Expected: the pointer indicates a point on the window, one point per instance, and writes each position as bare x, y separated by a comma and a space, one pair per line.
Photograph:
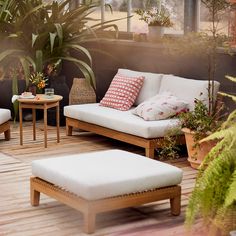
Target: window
205, 21
125, 10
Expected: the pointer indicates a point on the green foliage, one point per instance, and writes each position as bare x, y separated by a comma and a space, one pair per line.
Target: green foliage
214, 195
170, 149
155, 17
18, 20
199, 120
38, 34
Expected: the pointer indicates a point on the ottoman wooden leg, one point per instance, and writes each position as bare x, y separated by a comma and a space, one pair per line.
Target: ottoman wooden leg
89, 222
175, 205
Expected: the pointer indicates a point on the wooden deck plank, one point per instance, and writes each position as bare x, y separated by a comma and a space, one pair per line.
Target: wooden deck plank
18, 218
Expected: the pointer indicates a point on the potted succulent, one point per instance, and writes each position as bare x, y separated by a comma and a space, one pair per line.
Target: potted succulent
157, 19
196, 125
214, 194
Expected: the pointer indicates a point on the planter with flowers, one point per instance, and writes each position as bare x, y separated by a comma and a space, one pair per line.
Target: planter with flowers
157, 19
198, 124
37, 83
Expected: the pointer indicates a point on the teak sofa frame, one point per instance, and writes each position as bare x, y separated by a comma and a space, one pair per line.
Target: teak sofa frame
149, 144
5, 127
90, 208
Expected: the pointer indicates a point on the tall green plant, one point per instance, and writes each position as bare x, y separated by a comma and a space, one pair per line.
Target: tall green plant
64, 31
17, 21
216, 8
38, 34
214, 195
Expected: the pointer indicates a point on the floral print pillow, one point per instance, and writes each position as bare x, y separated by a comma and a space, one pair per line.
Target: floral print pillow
160, 107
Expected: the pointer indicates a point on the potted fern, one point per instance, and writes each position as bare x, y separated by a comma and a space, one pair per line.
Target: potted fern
214, 195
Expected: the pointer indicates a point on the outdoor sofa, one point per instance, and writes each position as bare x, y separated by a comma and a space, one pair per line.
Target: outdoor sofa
129, 128
5, 116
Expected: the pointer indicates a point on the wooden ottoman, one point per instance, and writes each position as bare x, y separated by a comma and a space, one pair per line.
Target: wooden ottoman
104, 181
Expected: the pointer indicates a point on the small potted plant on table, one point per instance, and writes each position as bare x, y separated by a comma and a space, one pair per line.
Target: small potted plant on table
37, 83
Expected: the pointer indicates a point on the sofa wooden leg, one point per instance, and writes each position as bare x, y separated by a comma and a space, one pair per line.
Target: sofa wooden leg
149, 152
175, 205
7, 134
89, 222
69, 130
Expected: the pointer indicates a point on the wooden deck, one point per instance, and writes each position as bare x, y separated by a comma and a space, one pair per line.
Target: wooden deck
19, 218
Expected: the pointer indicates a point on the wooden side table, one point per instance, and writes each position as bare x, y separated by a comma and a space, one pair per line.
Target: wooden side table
43, 103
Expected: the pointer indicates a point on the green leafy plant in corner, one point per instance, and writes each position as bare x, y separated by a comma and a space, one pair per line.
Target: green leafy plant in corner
214, 194
170, 149
200, 120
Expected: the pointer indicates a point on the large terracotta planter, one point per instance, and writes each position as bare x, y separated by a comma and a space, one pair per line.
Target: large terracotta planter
196, 154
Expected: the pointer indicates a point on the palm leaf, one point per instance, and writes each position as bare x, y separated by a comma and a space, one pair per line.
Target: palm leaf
34, 38
9, 52
59, 33
39, 61
15, 92
233, 79
35, 9
80, 49
52, 40
228, 95
25, 64
85, 69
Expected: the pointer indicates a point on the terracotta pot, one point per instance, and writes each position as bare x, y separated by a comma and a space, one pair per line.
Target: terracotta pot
196, 154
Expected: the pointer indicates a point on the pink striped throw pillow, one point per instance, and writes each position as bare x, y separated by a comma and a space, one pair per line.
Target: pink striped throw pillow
122, 92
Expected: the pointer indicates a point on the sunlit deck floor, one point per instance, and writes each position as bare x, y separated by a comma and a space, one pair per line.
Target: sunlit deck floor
17, 217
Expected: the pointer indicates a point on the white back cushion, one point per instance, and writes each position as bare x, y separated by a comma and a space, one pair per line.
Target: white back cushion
187, 89
150, 86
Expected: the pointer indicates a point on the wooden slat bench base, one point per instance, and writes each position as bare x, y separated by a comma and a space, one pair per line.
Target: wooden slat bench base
148, 144
90, 208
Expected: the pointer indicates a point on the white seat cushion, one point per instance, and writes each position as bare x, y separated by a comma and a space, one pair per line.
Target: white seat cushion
5, 115
123, 121
151, 84
104, 174
187, 89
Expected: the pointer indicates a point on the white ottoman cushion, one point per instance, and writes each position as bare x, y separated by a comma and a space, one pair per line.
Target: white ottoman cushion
104, 174
5, 115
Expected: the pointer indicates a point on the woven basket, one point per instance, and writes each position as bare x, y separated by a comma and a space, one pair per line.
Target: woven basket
81, 92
